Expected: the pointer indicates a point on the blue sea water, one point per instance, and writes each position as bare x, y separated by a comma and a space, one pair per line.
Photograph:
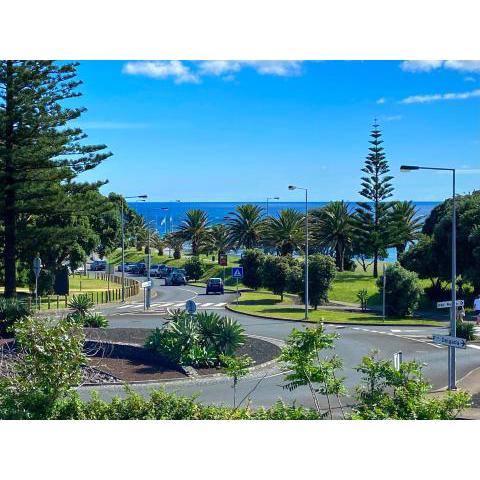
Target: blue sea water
167, 216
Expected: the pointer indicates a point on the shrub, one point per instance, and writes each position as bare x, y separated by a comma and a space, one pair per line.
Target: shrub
48, 364
252, 261
81, 304
11, 310
95, 320
194, 268
466, 330
387, 393
403, 290
197, 341
362, 296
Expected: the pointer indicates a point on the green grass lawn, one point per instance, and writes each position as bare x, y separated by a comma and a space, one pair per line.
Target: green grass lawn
81, 283
266, 304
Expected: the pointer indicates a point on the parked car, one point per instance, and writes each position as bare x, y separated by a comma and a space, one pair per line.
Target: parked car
98, 265
164, 272
175, 278
138, 268
158, 271
128, 266
215, 285
181, 271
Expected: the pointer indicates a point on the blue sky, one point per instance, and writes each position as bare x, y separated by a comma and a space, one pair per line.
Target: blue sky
239, 131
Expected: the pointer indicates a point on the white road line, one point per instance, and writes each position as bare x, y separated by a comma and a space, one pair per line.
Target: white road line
204, 305
477, 347
222, 304
140, 305
178, 305
128, 305
163, 304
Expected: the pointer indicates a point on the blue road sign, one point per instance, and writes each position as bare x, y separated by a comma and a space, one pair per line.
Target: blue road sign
237, 272
190, 307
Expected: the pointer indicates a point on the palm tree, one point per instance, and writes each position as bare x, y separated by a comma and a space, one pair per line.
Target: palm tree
194, 229
219, 240
174, 241
286, 231
156, 241
406, 225
245, 226
332, 228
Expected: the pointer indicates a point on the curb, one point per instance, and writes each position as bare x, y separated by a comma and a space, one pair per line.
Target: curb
380, 324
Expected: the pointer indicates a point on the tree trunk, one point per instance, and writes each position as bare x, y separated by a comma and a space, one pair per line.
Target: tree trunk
375, 264
9, 192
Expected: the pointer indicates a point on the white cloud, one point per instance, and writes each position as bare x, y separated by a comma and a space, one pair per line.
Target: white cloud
175, 69
441, 96
381, 100
420, 65
281, 68
429, 65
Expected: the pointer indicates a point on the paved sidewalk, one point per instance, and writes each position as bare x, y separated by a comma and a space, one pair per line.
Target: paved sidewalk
471, 383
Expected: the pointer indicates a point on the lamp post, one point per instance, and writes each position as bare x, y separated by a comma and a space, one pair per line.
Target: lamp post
271, 198
294, 187
142, 197
149, 279
452, 374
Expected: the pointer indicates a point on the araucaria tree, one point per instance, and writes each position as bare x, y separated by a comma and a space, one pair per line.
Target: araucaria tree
373, 216
40, 156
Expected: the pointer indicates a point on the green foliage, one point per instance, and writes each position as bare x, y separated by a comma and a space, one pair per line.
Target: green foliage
245, 226
252, 261
387, 393
403, 290
81, 304
95, 320
194, 229
11, 310
197, 340
332, 229
161, 405
286, 232
50, 356
301, 358
466, 330
276, 273
362, 296
194, 268
372, 218
405, 225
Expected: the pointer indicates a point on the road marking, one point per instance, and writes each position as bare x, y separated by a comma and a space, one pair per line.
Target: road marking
474, 346
163, 304
204, 305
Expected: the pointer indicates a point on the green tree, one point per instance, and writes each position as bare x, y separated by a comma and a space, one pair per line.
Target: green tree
276, 273
332, 228
194, 229
252, 262
321, 273
373, 217
302, 360
245, 226
194, 268
402, 290
219, 240
406, 225
175, 242
40, 155
236, 368
285, 232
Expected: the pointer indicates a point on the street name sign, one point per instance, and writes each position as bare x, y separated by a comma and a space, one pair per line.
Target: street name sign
190, 307
458, 303
449, 341
237, 272
147, 284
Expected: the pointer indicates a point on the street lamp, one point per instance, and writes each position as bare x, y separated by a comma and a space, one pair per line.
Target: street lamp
452, 374
149, 279
294, 187
271, 198
143, 198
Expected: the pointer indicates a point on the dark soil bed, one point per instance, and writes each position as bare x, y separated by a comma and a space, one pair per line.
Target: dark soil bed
133, 370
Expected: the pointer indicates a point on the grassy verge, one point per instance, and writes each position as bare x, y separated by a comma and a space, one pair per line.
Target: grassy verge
268, 305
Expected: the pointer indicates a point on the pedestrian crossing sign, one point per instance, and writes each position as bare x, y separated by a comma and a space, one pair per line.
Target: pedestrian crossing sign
237, 272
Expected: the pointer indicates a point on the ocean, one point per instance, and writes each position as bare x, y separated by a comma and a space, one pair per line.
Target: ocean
167, 216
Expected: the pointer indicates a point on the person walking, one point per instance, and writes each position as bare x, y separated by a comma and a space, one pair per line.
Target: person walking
476, 308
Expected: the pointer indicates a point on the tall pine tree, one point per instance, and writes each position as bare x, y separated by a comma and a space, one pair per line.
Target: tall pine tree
40, 156
373, 216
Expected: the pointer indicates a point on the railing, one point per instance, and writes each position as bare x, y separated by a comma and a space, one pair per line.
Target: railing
132, 287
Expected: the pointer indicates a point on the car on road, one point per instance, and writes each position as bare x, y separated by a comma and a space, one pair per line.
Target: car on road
175, 278
138, 268
98, 266
215, 285
180, 271
158, 271
128, 267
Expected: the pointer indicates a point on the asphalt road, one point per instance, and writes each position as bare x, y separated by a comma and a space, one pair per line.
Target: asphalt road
353, 343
